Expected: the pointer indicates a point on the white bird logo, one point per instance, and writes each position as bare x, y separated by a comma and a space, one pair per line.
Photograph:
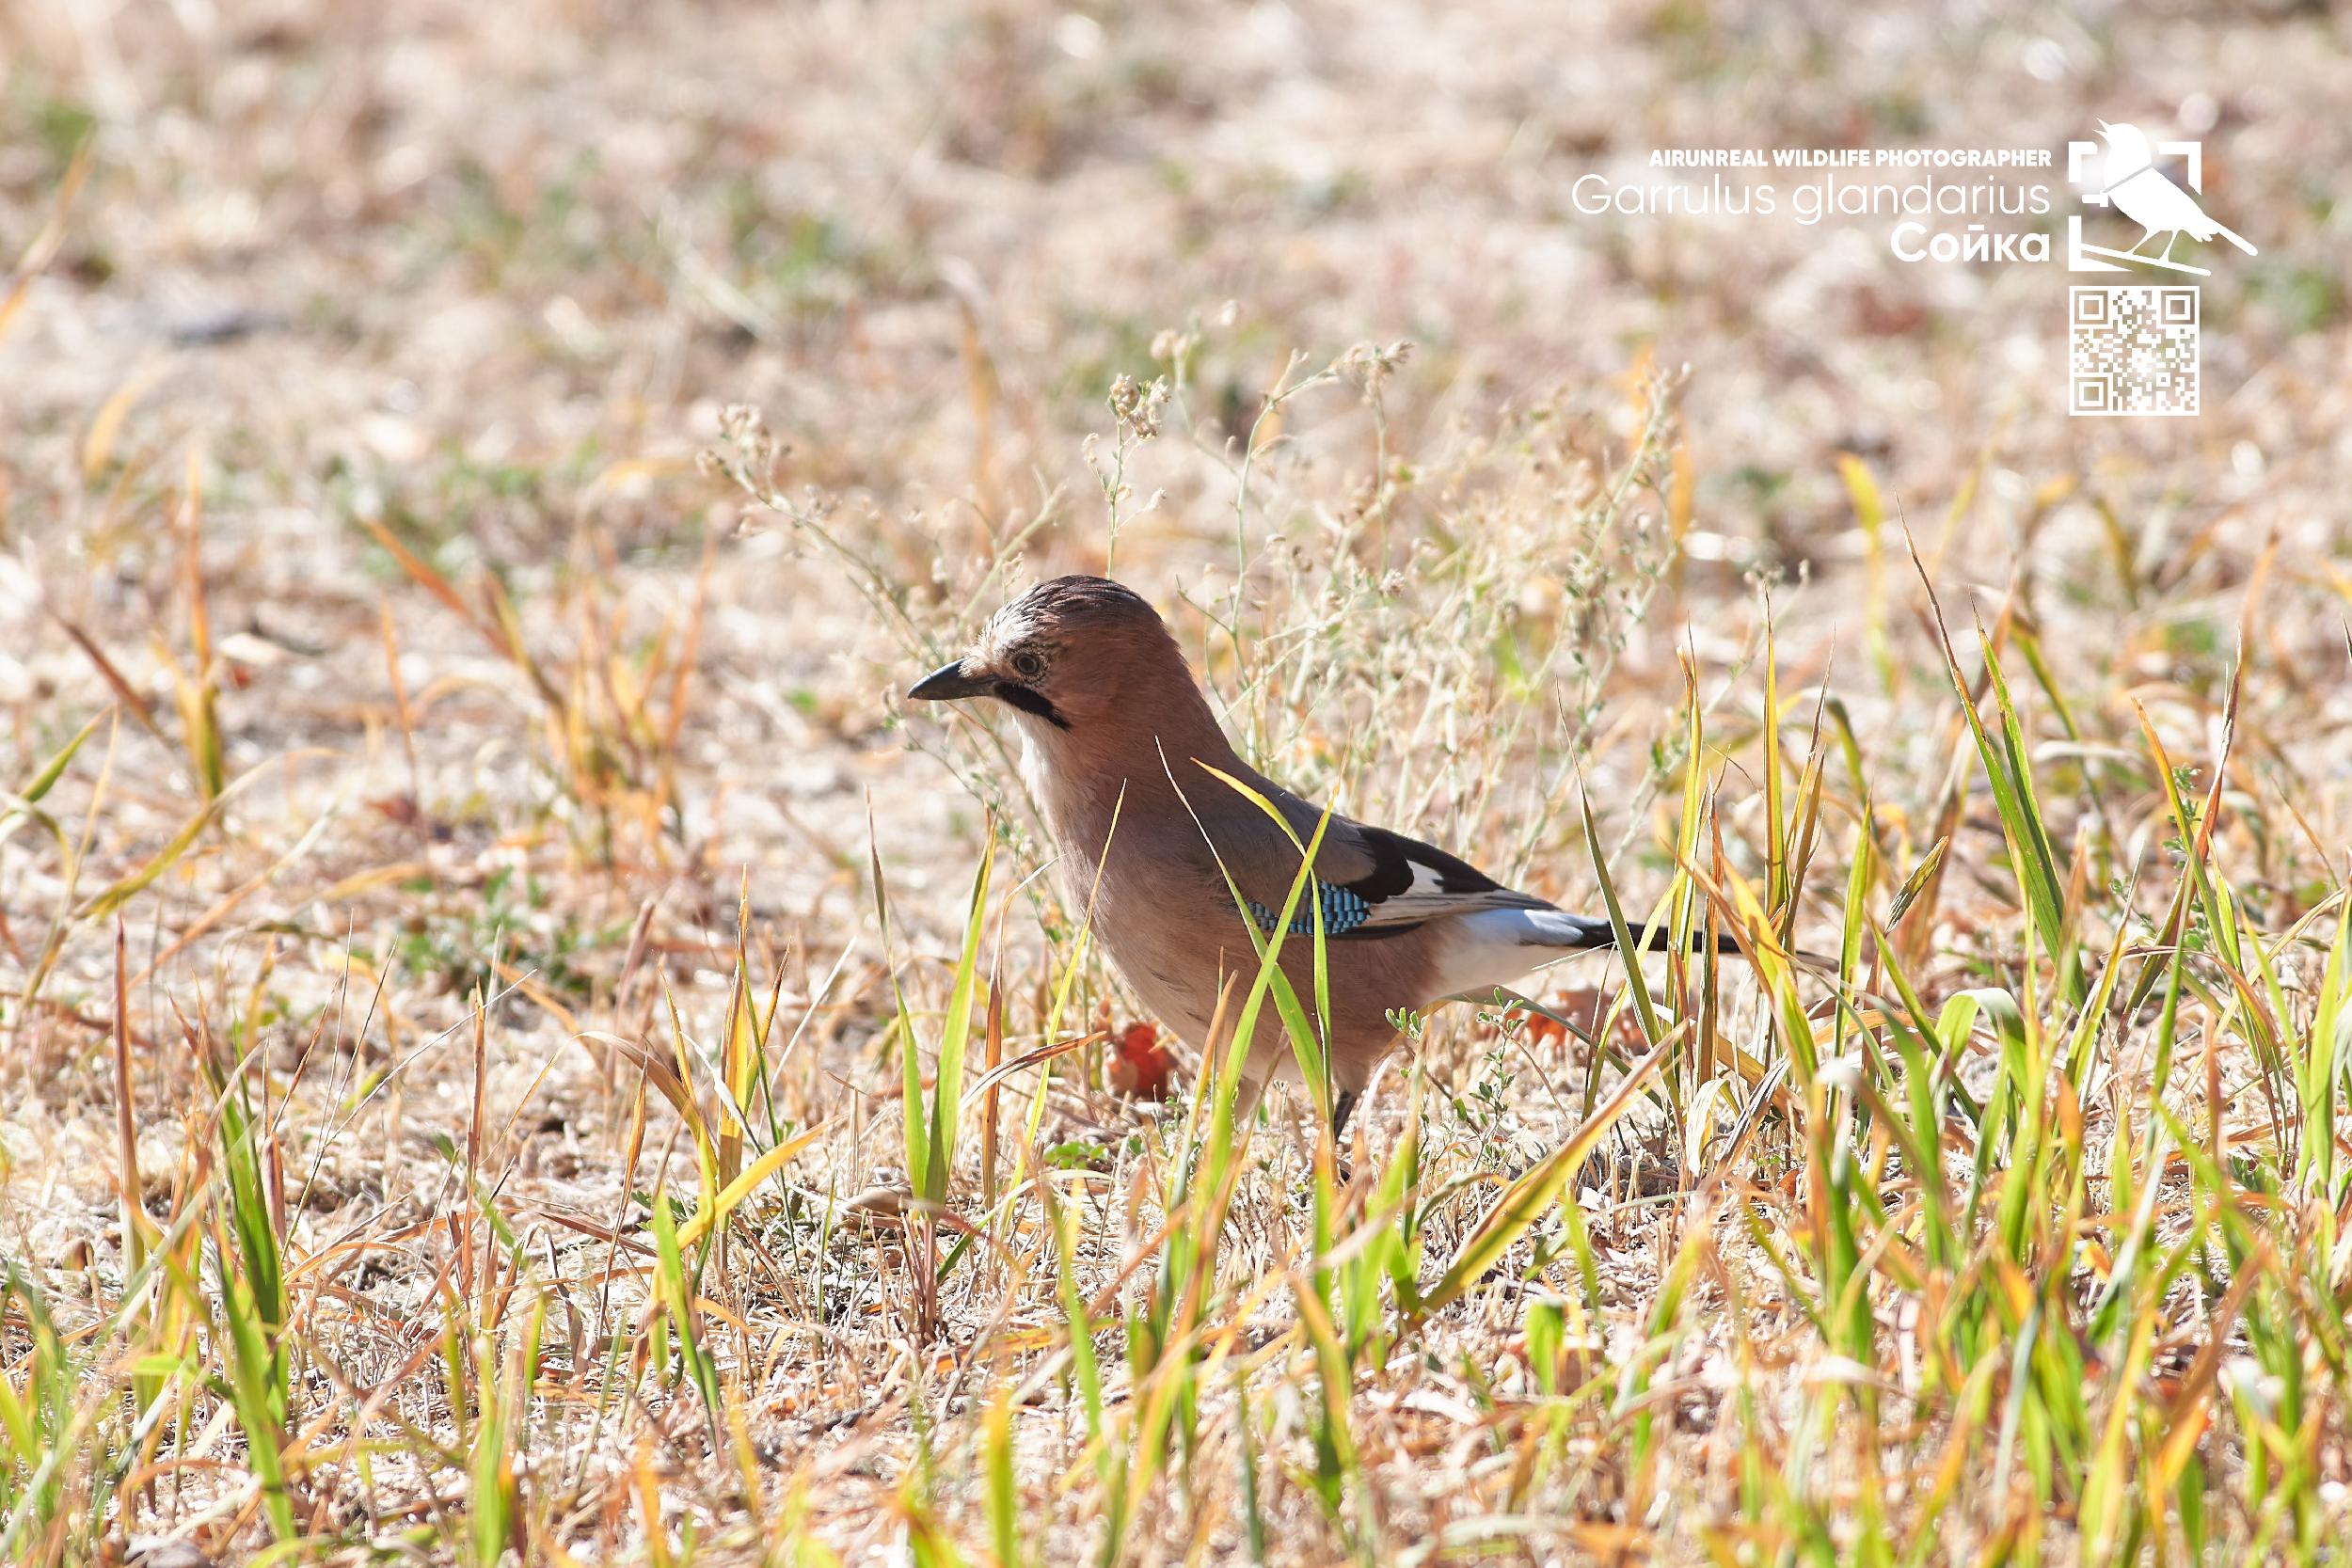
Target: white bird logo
2134, 187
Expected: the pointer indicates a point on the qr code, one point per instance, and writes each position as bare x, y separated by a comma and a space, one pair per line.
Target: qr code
2133, 349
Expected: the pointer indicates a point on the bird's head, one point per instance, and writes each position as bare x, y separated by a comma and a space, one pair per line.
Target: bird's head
2127, 142
1063, 655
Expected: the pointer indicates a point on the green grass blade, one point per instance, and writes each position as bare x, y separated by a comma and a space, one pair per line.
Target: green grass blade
947, 1086
1628, 951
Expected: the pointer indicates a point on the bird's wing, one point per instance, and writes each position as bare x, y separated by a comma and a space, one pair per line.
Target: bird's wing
1372, 883
1385, 880
1368, 879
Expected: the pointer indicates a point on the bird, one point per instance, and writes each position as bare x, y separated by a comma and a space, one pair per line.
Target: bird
2131, 182
1121, 751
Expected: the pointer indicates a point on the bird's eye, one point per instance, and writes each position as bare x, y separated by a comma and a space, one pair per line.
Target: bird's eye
1028, 666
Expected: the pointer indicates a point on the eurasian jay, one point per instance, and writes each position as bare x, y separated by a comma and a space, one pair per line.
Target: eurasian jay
1107, 709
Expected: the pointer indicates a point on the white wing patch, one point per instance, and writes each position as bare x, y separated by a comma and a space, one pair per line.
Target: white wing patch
1427, 899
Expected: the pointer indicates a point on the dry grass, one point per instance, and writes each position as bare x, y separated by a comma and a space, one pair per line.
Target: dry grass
509, 1042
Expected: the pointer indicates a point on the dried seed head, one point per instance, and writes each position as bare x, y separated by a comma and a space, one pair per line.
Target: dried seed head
1137, 408
1369, 364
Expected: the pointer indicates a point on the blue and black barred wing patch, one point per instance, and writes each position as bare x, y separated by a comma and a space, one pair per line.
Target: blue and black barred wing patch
1342, 911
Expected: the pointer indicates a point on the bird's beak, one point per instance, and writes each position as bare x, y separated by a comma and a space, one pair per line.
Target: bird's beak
947, 682
2104, 129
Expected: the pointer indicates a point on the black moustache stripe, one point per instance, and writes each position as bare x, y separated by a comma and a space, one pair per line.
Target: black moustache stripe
1031, 701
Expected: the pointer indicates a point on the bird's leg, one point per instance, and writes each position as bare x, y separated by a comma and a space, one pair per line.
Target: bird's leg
2143, 240
2169, 244
1342, 1108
